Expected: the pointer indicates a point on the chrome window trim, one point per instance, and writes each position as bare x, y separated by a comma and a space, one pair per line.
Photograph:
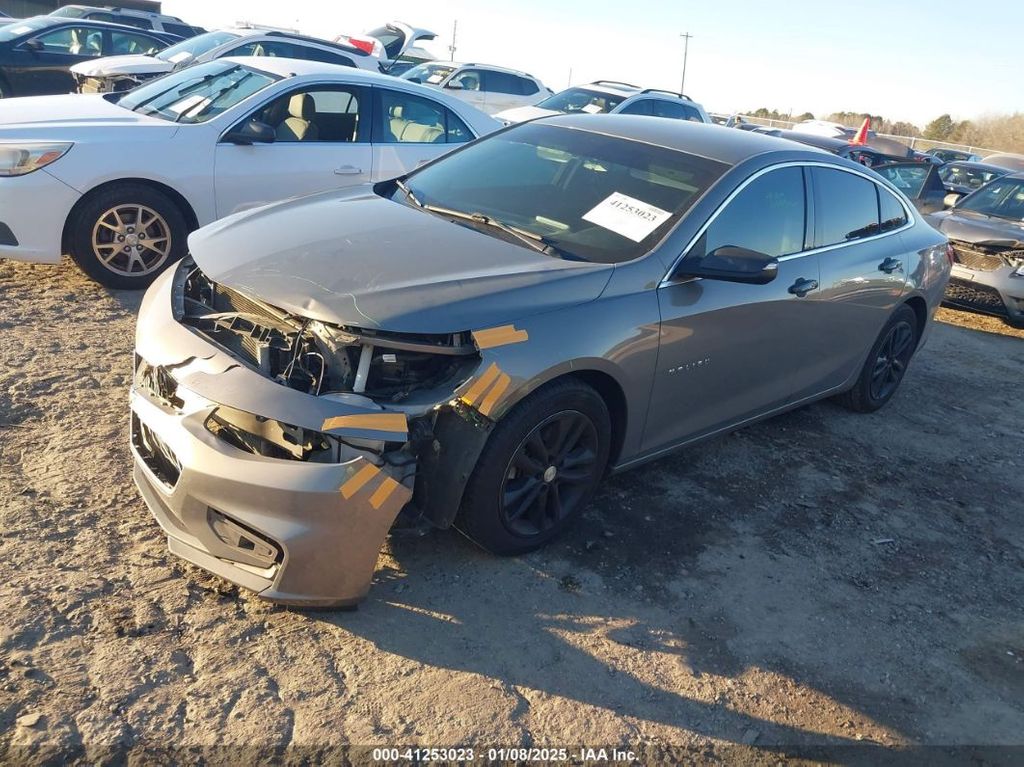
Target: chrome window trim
911, 218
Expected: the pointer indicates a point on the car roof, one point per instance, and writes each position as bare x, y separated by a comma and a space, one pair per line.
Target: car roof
246, 32
971, 165
457, 65
54, 20
714, 142
284, 67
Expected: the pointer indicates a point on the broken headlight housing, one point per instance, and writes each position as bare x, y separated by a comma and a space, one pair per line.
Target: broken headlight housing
318, 358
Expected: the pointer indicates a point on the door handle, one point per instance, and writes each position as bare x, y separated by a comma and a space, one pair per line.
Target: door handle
347, 170
891, 265
802, 287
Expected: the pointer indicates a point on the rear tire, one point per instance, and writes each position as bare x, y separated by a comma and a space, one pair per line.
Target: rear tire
886, 365
539, 469
125, 235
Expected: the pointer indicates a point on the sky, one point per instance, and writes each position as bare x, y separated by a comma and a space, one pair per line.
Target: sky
902, 59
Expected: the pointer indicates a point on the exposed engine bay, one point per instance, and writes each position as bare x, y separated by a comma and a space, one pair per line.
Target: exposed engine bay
317, 358
988, 256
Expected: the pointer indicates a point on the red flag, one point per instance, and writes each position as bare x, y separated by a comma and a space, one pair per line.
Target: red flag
862, 134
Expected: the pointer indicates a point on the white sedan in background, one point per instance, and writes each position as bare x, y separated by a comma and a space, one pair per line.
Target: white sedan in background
119, 180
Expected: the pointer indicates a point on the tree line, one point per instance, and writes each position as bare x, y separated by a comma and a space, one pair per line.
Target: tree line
1003, 132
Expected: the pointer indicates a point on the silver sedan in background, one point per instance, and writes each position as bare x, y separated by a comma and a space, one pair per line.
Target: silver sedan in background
477, 343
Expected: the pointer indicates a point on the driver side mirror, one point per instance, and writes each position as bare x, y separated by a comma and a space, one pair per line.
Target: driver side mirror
732, 264
455, 86
250, 132
34, 44
951, 199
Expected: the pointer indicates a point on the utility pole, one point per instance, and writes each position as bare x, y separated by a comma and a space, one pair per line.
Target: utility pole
686, 49
569, 84
451, 48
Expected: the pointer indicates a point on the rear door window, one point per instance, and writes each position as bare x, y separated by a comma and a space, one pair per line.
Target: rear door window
845, 207
408, 119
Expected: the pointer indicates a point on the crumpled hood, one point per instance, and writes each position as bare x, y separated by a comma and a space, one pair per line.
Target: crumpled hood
521, 114
353, 258
974, 228
63, 117
109, 66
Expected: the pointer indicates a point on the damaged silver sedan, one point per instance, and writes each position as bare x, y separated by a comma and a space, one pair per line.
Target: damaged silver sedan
478, 343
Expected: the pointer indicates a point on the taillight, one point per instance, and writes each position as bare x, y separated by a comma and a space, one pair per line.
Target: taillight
363, 45
949, 253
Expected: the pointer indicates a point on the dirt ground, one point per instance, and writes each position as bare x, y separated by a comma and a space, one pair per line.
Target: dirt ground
822, 578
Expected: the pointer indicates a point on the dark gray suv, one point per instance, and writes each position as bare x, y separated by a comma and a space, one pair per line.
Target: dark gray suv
479, 342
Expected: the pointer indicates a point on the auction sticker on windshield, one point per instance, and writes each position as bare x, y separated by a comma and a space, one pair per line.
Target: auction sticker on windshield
626, 216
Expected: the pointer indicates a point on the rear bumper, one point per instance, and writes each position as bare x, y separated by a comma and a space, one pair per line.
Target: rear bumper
33, 210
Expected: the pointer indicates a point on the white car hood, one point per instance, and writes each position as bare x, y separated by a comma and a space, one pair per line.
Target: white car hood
520, 114
108, 66
65, 117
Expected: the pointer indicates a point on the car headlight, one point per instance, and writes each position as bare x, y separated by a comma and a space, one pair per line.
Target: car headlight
22, 158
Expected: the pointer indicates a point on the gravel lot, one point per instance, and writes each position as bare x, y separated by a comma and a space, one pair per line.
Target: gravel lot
822, 578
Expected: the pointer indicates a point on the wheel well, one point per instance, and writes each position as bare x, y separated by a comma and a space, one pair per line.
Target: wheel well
921, 312
614, 399
186, 210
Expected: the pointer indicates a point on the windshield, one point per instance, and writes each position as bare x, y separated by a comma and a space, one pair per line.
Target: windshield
582, 100
1002, 198
428, 73
589, 196
11, 31
197, 94
189, 49
957, 174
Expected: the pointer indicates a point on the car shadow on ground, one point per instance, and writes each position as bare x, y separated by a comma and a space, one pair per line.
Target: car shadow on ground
576, 620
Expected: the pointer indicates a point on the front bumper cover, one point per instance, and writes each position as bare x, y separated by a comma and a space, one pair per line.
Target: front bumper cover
294, 531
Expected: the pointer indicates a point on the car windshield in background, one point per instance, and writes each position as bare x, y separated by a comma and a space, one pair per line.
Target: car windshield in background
197, 94
428, 73
974, 178
585, 195
12, 31
189, 49
582, 100
1002, 199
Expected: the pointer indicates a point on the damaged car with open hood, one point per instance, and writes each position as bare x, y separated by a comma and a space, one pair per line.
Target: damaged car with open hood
986, 232
477, 343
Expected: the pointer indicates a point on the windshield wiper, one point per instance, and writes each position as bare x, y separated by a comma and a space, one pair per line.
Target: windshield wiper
408, 193
537, 242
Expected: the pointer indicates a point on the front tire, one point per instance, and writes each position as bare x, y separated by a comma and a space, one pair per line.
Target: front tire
124, 236
886, 365
539, 469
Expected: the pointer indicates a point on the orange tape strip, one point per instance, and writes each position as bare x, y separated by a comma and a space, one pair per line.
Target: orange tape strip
382, 493
392, 422
500, 336
481, 385
357, 480
494, 394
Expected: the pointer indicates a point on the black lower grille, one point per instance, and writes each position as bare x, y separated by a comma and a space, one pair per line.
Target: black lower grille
157, 456
974, 296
